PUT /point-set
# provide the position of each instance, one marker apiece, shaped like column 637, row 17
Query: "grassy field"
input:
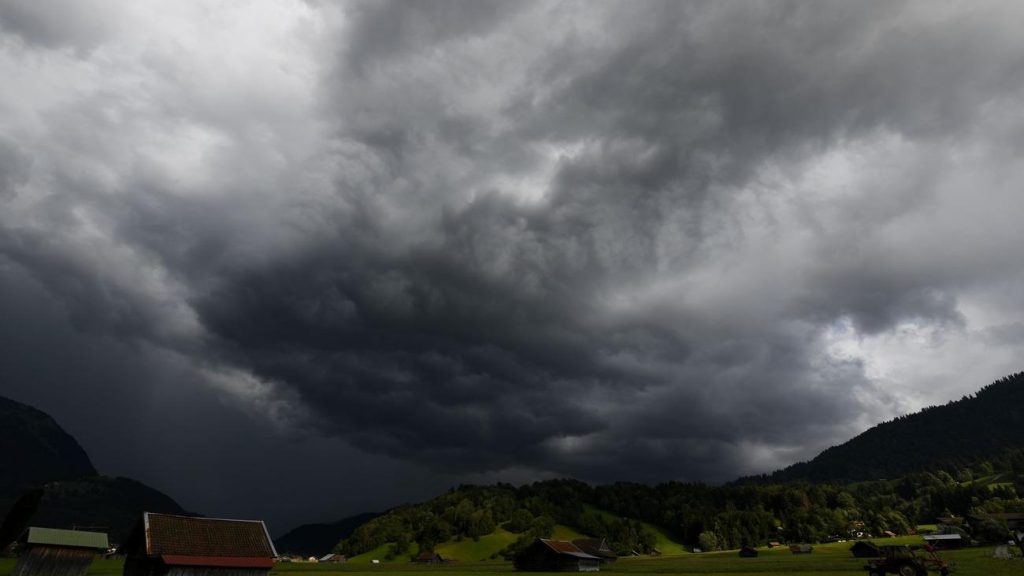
column 827, row 560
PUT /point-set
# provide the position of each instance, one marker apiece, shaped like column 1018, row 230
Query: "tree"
column 708, row 541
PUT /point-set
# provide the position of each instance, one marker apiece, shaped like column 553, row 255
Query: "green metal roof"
column 71, row 538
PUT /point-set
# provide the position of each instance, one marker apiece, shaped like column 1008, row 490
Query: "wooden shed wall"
column 53, row 561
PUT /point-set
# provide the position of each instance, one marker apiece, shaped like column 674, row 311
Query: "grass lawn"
column 482, row 550
column 826, row 560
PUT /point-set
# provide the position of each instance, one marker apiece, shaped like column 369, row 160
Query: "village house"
column 53, row 552
column 555, row 556
column 170, row 545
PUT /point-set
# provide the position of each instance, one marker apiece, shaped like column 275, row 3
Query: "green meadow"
column 826, row 560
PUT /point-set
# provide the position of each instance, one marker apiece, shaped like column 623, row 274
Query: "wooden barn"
column 169, row 545
column 53, row 552
column 555, row 556
column 597, row 547
column 429, row 557
column 865, row 549
column 748, row 552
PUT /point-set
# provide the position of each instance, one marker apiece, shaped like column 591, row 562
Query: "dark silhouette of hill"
column 36, row 449
column 111, row 505
column 47, row 479
column 976, row 426
column 319, row 539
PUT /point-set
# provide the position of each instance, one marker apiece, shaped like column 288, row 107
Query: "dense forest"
column 954, row 460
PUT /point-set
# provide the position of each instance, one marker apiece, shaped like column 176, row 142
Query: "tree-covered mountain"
column 986, row 423
column 966, row 457
column 47, row 479
column 319, row 539
column 632, row 516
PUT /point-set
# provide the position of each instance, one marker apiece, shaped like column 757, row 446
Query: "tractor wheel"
column 910, row 569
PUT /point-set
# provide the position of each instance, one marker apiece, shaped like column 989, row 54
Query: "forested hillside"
column 711, row 517
column 957, row 433
column 957, row 459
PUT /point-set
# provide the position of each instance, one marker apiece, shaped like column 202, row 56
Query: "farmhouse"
column 864, row 549
column 555, row 556
column 333, row 558
column 596, row 547
column 52, row 552
column 169, row 545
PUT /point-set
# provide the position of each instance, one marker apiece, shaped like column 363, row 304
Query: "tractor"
column 904, row 561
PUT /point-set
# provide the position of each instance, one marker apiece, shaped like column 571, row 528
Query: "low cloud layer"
column 485, row 240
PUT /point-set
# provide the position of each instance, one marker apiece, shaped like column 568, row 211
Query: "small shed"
column 865, row 549
column 555, row 556
column 170, row 545
column 801, row 548
column 597, row 547
column 53, row 552
column 748, row 552
column 428, row 557
column 944, row 541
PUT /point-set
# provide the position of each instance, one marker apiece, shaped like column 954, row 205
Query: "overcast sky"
column 297, row 260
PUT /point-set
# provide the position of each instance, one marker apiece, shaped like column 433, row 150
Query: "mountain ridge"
column 931, row 462
column 50, row 480
column 979, row 424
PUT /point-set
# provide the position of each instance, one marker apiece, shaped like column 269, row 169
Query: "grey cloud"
column 556, row 238
column 56, row 24
column 14, row 169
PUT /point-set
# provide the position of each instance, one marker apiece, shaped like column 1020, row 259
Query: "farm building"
column 748, row 552
column 333, row 558
column 53, row 552
column 555, row 556
column 596, row 547
column 169, row 545
column 428, row 557
column 944, row 541
column 801, row 548
column 864, row 549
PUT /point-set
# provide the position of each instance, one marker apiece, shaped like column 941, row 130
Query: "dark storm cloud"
column 57, row 24
column 676, row 241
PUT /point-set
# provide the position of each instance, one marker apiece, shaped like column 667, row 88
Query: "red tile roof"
column 565, row 547
column 183, row 536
